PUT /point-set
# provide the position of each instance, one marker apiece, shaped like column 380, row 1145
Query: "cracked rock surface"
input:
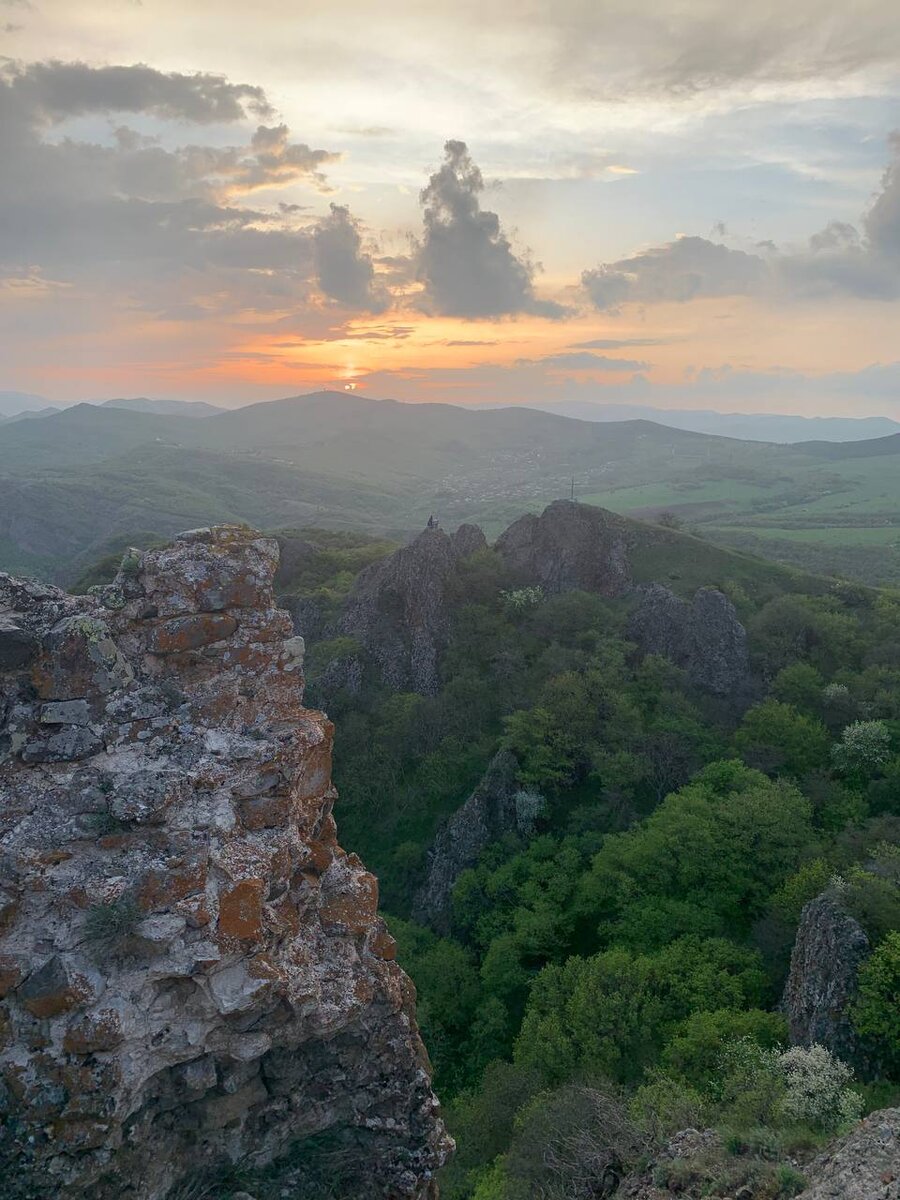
column 193, row 973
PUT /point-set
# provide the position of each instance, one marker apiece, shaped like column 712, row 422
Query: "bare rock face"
column 829, row 949
column 864, row 1165
column 398, row 609
column 192, row 972
column 568, row 547
column 487, row 814
column 703, row 637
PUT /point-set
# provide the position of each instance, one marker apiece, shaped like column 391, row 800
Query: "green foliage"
column 872, row 893
column 635, row 921
column 695, row 1051
column 664, row 1105
column 612, row 1013
column 686, row 867
column 777, row 738
column 799, row 685
column 877, row 1012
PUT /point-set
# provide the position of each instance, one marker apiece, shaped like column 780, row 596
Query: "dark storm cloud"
column 838, row 260
column 56, row 90
column 465, row 260
column 344, row 267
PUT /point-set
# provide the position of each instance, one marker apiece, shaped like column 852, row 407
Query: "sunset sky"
column 685, row 203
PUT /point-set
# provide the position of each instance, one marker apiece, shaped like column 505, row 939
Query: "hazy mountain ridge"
column 83, row 479
column 763, row 427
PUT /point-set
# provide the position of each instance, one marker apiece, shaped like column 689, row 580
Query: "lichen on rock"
column 193, row 973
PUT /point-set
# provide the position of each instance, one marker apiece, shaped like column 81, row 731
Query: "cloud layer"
column 839, row 260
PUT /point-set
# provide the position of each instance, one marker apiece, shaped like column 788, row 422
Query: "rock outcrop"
column 488, row 813
column 864, row 1165
column 569, row 546
column 398, row 610
column 704, row 637
column 192, row 972
column 829, row 949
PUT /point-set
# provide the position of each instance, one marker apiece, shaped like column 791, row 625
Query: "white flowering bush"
column 816, row 1089
column 521, row 600
column 530, row 807
column 769, row 1087
column 865, row 746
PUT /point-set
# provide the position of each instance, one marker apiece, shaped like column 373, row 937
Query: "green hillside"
column 90, row 478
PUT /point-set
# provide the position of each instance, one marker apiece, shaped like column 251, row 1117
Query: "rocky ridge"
column 193, row 974
column 569, row 546
column 398, row 610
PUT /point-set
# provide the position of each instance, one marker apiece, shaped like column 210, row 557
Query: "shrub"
column 530, row 807
column 109, row 923
column 664, row 1105
column 575, row 1143
column 816, row 1089
column 522, row 600
column 864, row 748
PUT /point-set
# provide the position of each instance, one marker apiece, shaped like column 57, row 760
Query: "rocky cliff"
column 192, row 972
column 486, row 815
column 398, row 609
column 704, row 637
column 569, row 546
column 829, row 949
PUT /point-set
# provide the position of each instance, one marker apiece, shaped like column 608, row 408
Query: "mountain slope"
column 81, row 481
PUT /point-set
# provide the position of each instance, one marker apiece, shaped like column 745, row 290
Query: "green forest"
column 618, row 959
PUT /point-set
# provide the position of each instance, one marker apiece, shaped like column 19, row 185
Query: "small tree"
column 864, row 748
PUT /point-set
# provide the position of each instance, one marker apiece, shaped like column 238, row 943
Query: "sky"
column 667, row 202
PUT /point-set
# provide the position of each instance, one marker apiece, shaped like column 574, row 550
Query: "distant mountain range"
column 90, row 479
column 169, row 408
column 758, row 427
